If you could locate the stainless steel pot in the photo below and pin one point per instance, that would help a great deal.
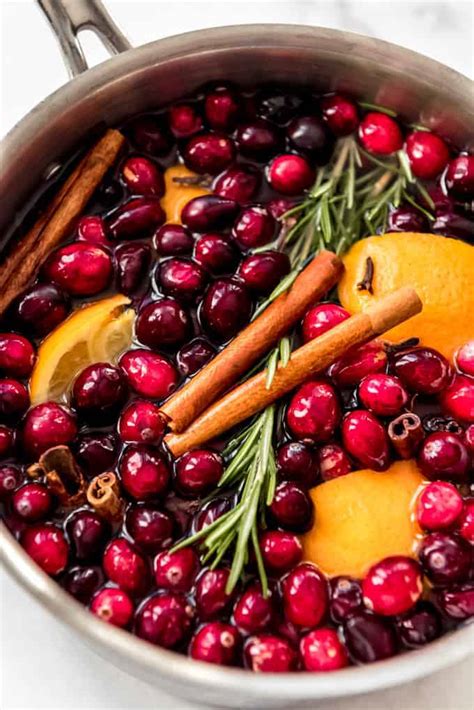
(420, 89)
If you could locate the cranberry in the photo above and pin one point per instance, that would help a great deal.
(83, 582)
(149, 135)
(428, 154)
(305, 595)
(141, 423)
(113, 606)
(297, 462)
(215, 253)
(269, 654)
(176, 570)
(139, 217)
(207, 212)
(14, 400)
(392, 586)
(164, 619)
(258, 139)
(254, 227)
(92, 230)
(322, 650)
(40, 309)
(226, 308)
(17, 355)
(380, 134)
(182, 278)
(464, 358)
(253, 612)
(133, 261)
(215, 643)
(340, 114)
(280, 550)
(466, 521)
(240, 183)
(211, 596)
(445, 558)
(383, 394)
(209, 153)
(419, 626)
(457, 602)
(99, 390)
(124, 566)
(47, 546)
(333, 462)
(469, 438)
(10, 478)
(80, 269)
(322, 318)
(184, 120)
(460, 176)
(313, 413)
(173, 240)
(96, 452)
(292, 507)
(364, 360)
(46, 425)
(198, 471)
(278, 207)
(143, 177)
(458, 399)
(310, 135)
(151, 529)
(369, 638)
(144, 472)
(262, 272)
(454, 225)
(7, 438)
(161, 323)
(290, 174)
(365, 439)
(438, 506)
(406, 219)
(210, 511)
(444, 456)
(193, 356)
(149, 374)
(422, 370)
(346, 598)
(32, 502)
(221, 108)
(88, 533)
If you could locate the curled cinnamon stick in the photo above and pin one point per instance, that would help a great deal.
(250, 397)
(22, 264)
(103, 494)
(406, 434)
(254, 341)
(62, 475)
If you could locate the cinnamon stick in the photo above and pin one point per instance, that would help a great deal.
(250, 397)
(253, 342)
(61, 474)
(22, 264)
(104, 495)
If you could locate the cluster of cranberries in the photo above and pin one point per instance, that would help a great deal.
(194, 286)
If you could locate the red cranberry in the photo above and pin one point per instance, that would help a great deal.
(209, 153)
(182, 278)
(80, 269)
(469, 438)
(99, 390)
(464, 358)
(450, 224)
(184, 120)
(419, 626)
(428, 154)
(364, 360)
(457, 602)
(215, 643)
(209, 512)
(365, 439)
(124, 566)
(280, 550)
(161, 323)
(164, 619)
(221, 108)
(92, 230)
(322, 318)
(278, 207)
(333, 462)
(207, 212)
(48, 425)
(445, 558)
(369, 638)
(253, 612)
(17, 355)
(258, 139)
(322, 650)
(309, 135)
(151, 529)
(113, 606)
(176, 570)
(380, 134)
(392, 586)
(173, 240)
(262, 272)
(211, 596)
(438, 506)
(269, 654)
(215, 254)
(279, 106)
(297, 462)
(139, 217)
(340, 114)
(83, 582)
(14, 400)
(149, 374)
(291, 507)
(466, 521)
(40, 309)
(460, 176)
(313, 412)
(96, 452)
(141, 423)
(458, 399)
(290, 174)
(422, 370)
(444, 456)
(7, 438)
(240, 183)
(10, 478)
(193, 356)
(305, 595)
(346, 598)
(406, 219)
(254, 227)
(383, 394)
(47, 546)
(144, 472)
(198, 471)
(226, 308)
(133, 261)
(143, 177)
(32, 502)
(149, 135)
(88, 534)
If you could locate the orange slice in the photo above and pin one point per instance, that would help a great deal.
(177, 195)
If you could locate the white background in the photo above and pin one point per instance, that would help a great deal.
(42, 664)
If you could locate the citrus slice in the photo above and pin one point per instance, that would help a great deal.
(178, 195)
(98, 332)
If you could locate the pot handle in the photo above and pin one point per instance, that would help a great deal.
(68, 17)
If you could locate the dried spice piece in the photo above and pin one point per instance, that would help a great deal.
(62, 475)
(200, 180)
(406, 434)
(392, 348)
(367, 281)
(104, 495)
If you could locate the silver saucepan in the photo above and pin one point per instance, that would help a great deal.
(136, 80)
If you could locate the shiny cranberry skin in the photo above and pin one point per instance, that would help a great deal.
(215, 254)
(438, 506)
(164, 619)
(419, 626)
(444, 456)
(240, 183)
(80, 269)
(149, 374)
(176, 570)
(14, 400)
(383, 394)
(96, 452)
(454, 225)
(380, 134)
(10, 478)
(469, 438)
(332, 462)
(211, 596)
(457, 602)
(173, 240)
(280, 550)
(40, 309)
(279, 206)
(262, 272)
(149, 135)
(369, 638)
(184, 120)
(99, 390)
(17, 355)
(48, 425)
(141, 423)
(305, 595)
(254, 227)
(215, 643)
(113, 606)
(32, 502)
(460, 177)
(88, 533)
(182, 278)
(143, 177)
(458, 399)
(322, 318)
(221, 108)
(340, 114)
(269, 654)
(309, 135)
(133, 261)
(137, 218)
(406, 219)
(209, 153)
(297, 462)
(7, 438)
(124, 566)
(208, 212)
(258, 139)
(92, 230)
(428, 154)
(47, 546)
(83, 582)
(345, 598)
(290, 174)
(464, 358)
(210, 511)
(365, 439)
(466, 521)
(226, 308)
(422, 370)
(445, 558)
(253, 612)
(198, 471)
(291, 507)
(151, 529)
(194, 355)
(162, 323)
(322, 650)
(364, 360)
(392, 586)
(144, 472)
(313, 413)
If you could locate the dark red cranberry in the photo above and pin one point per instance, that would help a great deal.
(211, 596)
(262, 272)
(99, 390)
(7, 438)
(369, 638)
(32, 502)
(215, 254)
(309, 135)
(96, 452)
(253, 612)
(457, 602)
(460, 177)
(280, 550)
(322, 650)
(464, 358)
(46, 425)
(209, 512)
(143, 177)
(419, 626)
(313, 413)
(193, 356)
(47, 546)
(422, 370)
(469, 438)
(14, 400)
(88, 534)
(458, 399)
(438, 506)
(345, 599)
(444, 456)
(149, 374)
(269, 654)
(141, 422)
(365, 439)
(80, 269)
(221, 107)
(198, 471)
(359, 362)
(92, 229)
(290, 174)
(240, 183)
(83, 582)
(40, 309)
(279, 206)
(10, 478)
(113, 606)
(226, 308)
(137, 218)
(149, 135)
(144, 472)
(392, 586)
(466, 521)
(332, 462)
(258, 139)
(184, 120)
(445, 558)
(182, 278)
(340, 114)
(208, 212)
(215, 643)
(176, 570)
(254, 227)
(291, 507)
(164, 619)
(297, 462)
(151, 529)
(17, 355)
(173, 240)
(279, 105)
(451, 224)
(406, 219)
(322, 318)
(380, 134)
(133, 261)
(162, 323)
(383, 394)
(209, 153)
(305, 595)
(428, 154)
(125, 566)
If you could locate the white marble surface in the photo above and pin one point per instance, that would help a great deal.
(41, 664)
